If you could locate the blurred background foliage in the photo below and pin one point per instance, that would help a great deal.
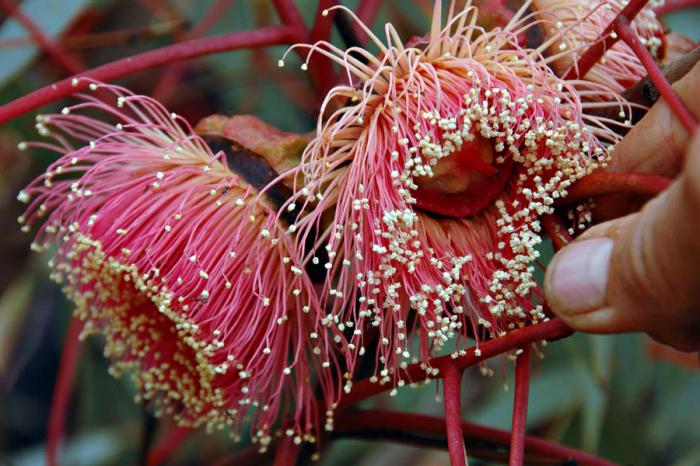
(620, 397)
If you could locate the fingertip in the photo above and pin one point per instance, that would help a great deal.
(604, 320)
(576, 280)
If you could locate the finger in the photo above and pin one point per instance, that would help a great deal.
(637, 273)
(656, 144)
(684, 339)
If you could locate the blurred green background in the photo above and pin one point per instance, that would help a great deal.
(607, 395)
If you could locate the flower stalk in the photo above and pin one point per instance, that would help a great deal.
(599, 184)
(522, 389)
(623, 29)
(552, 329)
(593, 55)
(452, 390)
(376, 424)
(62, 390)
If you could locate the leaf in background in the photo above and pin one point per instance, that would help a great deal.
(52, 16)
(553, 390)
(596, 395)
(13, 304)
(692, 458)
(96, 447)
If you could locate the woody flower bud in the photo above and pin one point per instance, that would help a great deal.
(182, 266)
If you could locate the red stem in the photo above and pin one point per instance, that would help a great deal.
(287, 452)
(62, 390)
(626, 33)
(289, 14)
(320, 67)
(192, 48)
(556, 230)
(598, 184)
(374, 423)
(165, 449)
(452, 390)
(671, 6)
(522, 390)
(597, 50)
(367, 10)
(549, 330)
(68, 62)
(321, 29)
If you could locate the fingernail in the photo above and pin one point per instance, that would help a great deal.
(577, 277)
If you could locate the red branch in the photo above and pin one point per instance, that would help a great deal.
(62, 390)
(193, 48)
(289, 14)
(597, 50)
(671, 6)
(377, 423)
(367, 10)
(287, 452)
(598, 184)
(452, 384)
(165, 449)
(320, 67)
(556, 230)
(623, 29)
(550, 330)
(522, 390)
(68, 62)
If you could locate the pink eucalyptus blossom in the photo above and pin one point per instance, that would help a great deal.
(425, 184)
(182, 266)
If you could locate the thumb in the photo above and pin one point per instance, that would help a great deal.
(640, 272)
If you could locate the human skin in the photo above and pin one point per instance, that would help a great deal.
(641, 272)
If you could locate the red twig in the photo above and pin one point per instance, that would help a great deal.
(625, 32)
(671, 6)
(169, 54)
(597, 50)
(289, 13)
(287, 452)
(522, 390)
(367, 10)
(165, 449)
(68, 62)
(321, 29)
(549, 330)
(320, 67)
(556, 230)
(452, 384)
(598, 184)
(375, 423)
(62, 390)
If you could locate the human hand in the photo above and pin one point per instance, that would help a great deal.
(641, 272)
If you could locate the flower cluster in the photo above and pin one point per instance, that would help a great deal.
(426, 182)
(419, 199)
(182, 266)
